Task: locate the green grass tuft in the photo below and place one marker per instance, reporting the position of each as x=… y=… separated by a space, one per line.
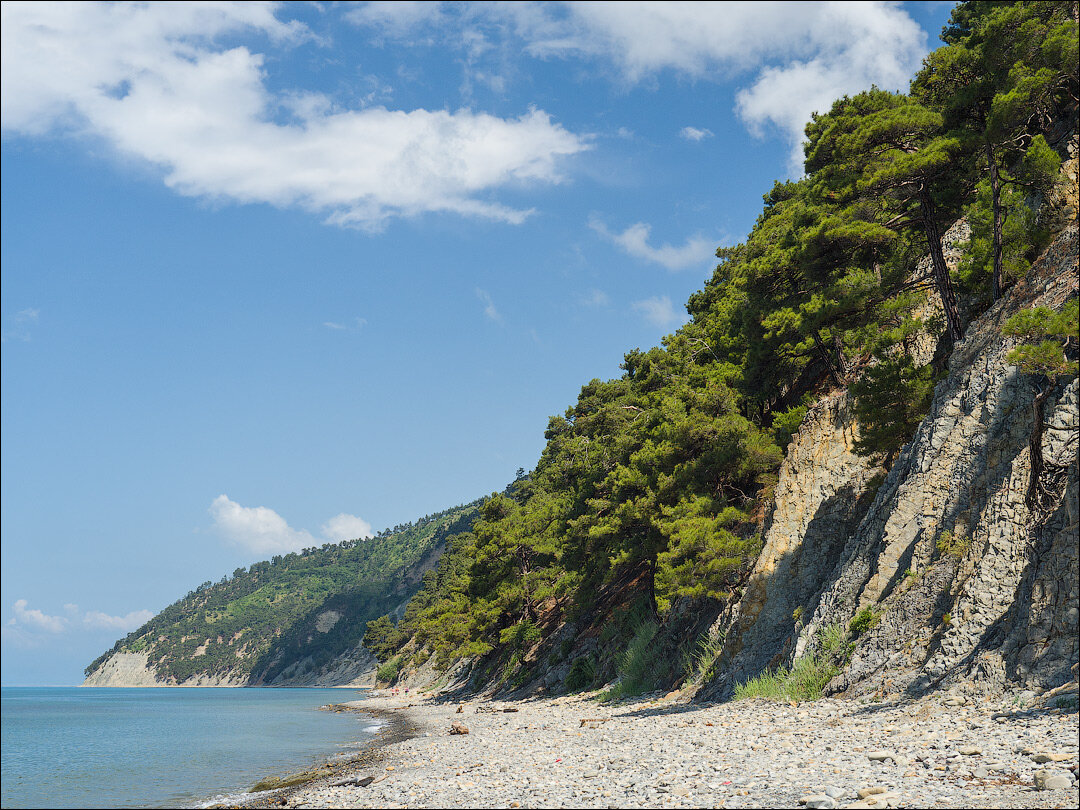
x=636 y=667
x=804 y=681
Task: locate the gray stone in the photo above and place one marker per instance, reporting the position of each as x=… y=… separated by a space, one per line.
x=820 y=800
x=1043 y=757
x=1045 y=780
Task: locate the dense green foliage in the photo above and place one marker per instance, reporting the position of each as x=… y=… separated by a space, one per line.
x=657 y=480
x=252 y=625
x=1051 y=335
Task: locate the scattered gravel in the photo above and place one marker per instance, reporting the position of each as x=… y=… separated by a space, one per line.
x=576 y=752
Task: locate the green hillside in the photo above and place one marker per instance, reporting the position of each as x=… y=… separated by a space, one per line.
x=253 y=624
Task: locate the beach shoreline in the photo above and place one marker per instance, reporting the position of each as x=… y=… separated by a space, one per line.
x=665 y=752
x=396 y=727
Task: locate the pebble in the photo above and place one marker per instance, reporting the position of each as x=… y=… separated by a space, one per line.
x=658 y=752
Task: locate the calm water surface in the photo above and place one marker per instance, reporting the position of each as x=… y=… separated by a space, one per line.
x=85 y=747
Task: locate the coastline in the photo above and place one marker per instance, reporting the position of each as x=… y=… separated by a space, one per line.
x=575 y=751
x=397 y=727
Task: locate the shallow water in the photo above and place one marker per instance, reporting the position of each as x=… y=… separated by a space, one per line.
x=86 y=747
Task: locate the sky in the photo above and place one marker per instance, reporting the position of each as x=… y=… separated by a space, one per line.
x=276 y=275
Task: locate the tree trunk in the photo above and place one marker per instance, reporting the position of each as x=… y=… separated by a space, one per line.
x=940 y=268
x=1035 y=444
x=824 y=353
x=652 y=588
x=838 y=346
x=995 y=194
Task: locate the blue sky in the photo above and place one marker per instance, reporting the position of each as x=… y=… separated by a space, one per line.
x=280 y=274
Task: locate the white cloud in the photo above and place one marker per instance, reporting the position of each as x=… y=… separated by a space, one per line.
x=695 y=134
x=27 y=620
x=263 y=531
x=635 y=241
x=594 y=298
x=150 y=80
x=489 y=305
x=659 y=311
x=793 y=58
x=19 y=325
x=356 y=325
x=36 y=620
x=121 y=624
x=346 y=527
x=257 y=528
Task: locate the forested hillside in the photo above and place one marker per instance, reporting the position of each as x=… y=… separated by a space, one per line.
x=652 y=492
x=308 y=606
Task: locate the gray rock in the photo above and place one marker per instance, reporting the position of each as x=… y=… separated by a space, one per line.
x=1045 y=780
x=1042 y=757
x=820 y=800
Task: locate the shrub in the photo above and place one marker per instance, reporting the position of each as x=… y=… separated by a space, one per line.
x=864 y=621
x=953 y=546
x=582 y=673
x=388 y=672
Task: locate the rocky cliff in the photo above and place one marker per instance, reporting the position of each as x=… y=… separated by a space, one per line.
x=956 y=579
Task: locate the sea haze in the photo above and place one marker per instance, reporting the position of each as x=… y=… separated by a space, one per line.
x=73 y=747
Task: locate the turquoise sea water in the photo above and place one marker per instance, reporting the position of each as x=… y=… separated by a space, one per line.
x=76 y=747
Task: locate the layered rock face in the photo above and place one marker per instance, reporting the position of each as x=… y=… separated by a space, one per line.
x=960 y=579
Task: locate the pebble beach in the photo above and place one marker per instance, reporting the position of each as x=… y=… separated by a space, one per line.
x=661 y=752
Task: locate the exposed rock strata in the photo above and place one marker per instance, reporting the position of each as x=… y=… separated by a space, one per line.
x=969 y=583
x=123 y=669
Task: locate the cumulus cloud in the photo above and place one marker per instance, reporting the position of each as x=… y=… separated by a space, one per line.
x=659 y=311
x=35 y=619
x=346 y=527
x=489 y=305
x=791 y=58
x=122 y=624
x=695 y=134
x=263 y=531
x=257 y=528
x=27 y=621
x=635 y=241
x=151 y=81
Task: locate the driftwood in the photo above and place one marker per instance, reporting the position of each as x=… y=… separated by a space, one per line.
x=593 y=722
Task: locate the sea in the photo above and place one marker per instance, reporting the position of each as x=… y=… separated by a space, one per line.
x=98 y=747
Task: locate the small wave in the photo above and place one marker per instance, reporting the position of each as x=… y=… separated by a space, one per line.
x=232 y=799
